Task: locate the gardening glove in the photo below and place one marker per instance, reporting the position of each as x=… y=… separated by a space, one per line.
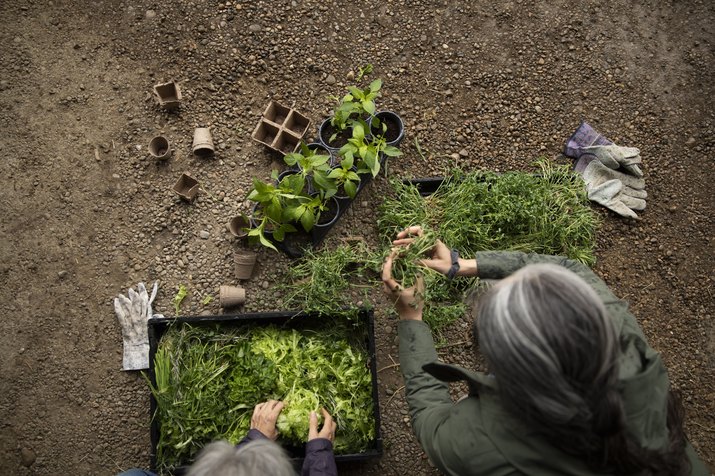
x=133 y=312
x=614 y=190
x=587 y=142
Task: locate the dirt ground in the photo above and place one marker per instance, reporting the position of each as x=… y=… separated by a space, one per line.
x=86 y=213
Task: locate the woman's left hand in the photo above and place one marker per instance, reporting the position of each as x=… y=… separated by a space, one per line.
x=408 y=302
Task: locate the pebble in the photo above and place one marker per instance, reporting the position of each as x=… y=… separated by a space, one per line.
x=330 y=79
x=464 y=153
x=150 y=14
x=204 y=235
x=27 y=457
x=255 y=28
x=63 y=274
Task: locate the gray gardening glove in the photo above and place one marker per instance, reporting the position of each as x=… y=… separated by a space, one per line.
x=614 y=190
x=586 y=142
x=133 y=312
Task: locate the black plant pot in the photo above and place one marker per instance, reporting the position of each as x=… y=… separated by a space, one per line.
x=395 y=131
x=327 y=130
x=327 y=220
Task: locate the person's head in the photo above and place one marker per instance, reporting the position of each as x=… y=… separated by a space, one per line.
x=552 y=347
x=554 y=351
x=259 y=457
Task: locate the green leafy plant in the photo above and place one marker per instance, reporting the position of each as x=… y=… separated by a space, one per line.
x=346 y=177
x=308 y=160
x=354 y=105
x=367 y=151
x=364 y=70
x=209 y=379
x=178 y=298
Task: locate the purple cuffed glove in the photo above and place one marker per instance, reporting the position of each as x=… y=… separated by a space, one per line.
x=587 y=142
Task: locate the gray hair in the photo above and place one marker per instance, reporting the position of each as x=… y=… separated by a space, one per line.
x=258 y=457
x=553 y=349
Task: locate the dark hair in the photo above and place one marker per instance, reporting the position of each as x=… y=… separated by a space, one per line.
x=554 y=351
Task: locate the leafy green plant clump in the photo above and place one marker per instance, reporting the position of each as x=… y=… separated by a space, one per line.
x=208 y=381
x=547 y=213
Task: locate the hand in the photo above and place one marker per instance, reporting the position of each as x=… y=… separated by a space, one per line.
x=328 y=430
x=408 y=302
x=440 y=259
x=265 y=416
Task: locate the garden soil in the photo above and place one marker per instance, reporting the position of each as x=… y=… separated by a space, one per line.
x=86 y=213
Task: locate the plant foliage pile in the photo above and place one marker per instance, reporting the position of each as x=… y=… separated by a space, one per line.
x=323 y=281
x=547 y=213
x=208 y=381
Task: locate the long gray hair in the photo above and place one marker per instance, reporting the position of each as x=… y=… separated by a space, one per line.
x=259 y=457
x=553 y=348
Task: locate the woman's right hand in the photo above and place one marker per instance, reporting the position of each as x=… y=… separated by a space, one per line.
x=440 y=259
x=328 y=430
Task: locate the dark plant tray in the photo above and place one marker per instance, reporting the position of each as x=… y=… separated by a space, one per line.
x=286 y=319
x=426 y=186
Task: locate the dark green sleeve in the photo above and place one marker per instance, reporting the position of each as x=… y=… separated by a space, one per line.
x=500 y=264
x=428 y=398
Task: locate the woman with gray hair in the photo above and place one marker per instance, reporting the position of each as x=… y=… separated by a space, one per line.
x=574 y=388
x=257 y=454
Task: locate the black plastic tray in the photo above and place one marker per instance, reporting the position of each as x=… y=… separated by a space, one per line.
x=287 y=319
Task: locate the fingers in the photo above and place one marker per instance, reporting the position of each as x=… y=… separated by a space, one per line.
x=412 y=230
x=390 y=284
x=312 y=426
x=329 y=426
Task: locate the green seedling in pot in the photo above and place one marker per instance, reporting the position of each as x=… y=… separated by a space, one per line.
x=354 y=105
x=308 y=160
x=273 y=202
x=345 y=176
x=367 y=151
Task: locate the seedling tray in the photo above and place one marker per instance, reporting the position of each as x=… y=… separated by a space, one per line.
x=283 y=319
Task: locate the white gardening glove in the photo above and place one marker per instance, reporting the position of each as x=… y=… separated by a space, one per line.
x=614 y=190
x=133 y=312
x=585 y=142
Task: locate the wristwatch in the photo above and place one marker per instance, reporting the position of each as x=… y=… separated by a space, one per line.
x=454 y=255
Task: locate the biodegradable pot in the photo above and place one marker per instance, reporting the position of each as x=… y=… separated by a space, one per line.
x=168 y=95
x=203 y=143
x=159 y=148
x=395 y=127
x=187 y=187
x=230 y=296
x=244 y=261
x=237 y=226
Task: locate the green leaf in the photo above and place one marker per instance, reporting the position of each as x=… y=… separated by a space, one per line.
x=335 y=173
x=265 y=242
x=350 y=189
x=347 y=162
x=307 y=220
x=376 y=85
x=359 y=132
x=369 y=107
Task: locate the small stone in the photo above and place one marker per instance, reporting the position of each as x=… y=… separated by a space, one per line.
x=27 y=457
x=204 y=235
x=350 y=76
x=541 y=61
x=455 y=156
x=330 y=79
x=265 y=284
x=537 y=109
x=150 y=14
x=464 y=153
x=255 y=28
x=63 y=274
x=449 y=93
x=690 y=141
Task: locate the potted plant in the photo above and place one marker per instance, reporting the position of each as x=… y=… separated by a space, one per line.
x=368 y=151
x=389 y=125
x=347 y=180
x=358 y=104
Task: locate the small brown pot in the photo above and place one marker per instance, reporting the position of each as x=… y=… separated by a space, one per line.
x=187 y=187
x=159 y=148
x=203 y=142
x=238 y=225
x=168 y=95
x=230 y=296
x=244 y=261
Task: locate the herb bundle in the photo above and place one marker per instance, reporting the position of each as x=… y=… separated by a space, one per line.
x=208 y=381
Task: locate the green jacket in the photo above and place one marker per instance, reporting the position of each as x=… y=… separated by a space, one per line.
x=477 y=436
